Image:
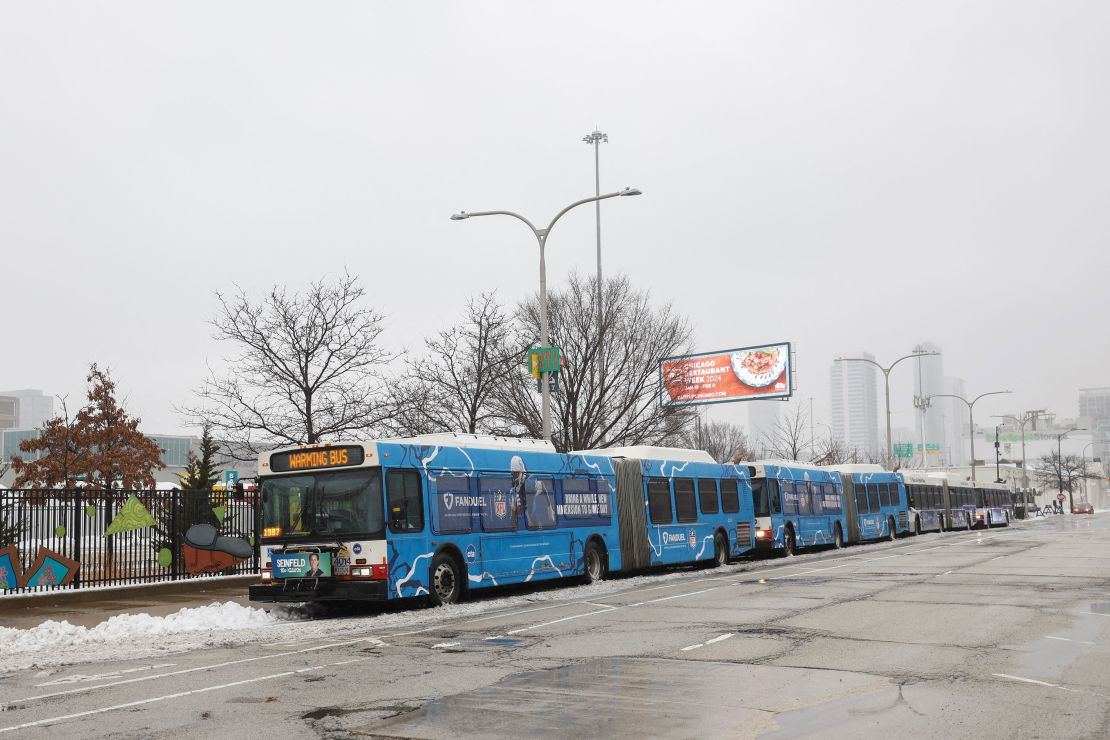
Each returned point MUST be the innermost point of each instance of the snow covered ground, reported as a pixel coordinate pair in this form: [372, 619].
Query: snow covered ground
[129, 636]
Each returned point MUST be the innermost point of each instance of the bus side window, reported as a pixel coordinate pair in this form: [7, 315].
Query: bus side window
[659, 501]
[873, 497]
[406, 503]
[832, 499]
[861, 499]
[789, 497]
[539, 503]
[759, 497]
[884, 494]
[730, 497]
[686, 508]
[707, 495]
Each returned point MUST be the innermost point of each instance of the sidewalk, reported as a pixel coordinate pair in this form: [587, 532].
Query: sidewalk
[92, 608]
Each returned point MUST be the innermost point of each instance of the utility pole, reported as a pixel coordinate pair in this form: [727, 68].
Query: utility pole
[597, 138]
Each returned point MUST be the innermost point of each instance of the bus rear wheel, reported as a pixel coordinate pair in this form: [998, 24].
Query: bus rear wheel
[720, 550]
[446, 583]
[595, 562]
[838, 537]
[892, 534]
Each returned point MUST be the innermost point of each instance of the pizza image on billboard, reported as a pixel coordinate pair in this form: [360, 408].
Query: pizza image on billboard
[741, 374]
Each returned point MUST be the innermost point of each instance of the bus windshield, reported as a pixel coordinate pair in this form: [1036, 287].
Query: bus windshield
[326, 504]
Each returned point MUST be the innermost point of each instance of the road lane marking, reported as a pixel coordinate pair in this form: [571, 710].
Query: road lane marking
[1029, 680]
[562, 619]
[1068, 639]
[445, 644]
[181, 672]
[718, 638]
[82, 678]
[178, 695]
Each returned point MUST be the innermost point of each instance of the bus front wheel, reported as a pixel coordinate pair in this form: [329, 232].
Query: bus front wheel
[789, 544]
[446, 583]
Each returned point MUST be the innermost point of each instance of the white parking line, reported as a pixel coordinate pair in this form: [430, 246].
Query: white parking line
[211, 666]
[180, 694]
[1028, 680]
[445, 644]
[1067, 639]
[719, 638]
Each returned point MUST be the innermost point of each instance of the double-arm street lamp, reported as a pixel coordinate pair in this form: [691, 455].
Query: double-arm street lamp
[971, 417]
[886, 377]
[1028, 416]
[541, 237]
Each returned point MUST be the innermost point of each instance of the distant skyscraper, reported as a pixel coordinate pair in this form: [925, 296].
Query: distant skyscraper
[35, 408]
[762, 417]
[928, 380]
[855, 404]
[1094, 410]
[955, 416]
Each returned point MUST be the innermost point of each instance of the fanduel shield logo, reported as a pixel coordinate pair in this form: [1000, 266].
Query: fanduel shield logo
[500, 508]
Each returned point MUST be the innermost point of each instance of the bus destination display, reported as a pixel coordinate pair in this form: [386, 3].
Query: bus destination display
[314, 459]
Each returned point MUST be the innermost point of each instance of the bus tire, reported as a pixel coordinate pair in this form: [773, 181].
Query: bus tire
[789, 543]
[595, 563]
[893, 532]
[720, 550]
[838, 536]
[444, 580]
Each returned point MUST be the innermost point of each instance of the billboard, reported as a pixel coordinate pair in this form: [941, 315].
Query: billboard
[742, 374]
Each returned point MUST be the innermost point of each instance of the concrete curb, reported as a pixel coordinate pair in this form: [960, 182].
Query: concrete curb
[15, 602]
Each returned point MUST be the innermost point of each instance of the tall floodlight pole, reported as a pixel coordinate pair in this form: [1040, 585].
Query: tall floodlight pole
[971, 417]
[541, 238]
[886, 378]
[597, 138]
[1060, 463]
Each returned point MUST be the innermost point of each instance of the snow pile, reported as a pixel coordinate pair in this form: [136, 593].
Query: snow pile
[130, 628]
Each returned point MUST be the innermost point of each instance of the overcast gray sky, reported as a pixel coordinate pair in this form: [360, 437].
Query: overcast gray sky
[842, 175]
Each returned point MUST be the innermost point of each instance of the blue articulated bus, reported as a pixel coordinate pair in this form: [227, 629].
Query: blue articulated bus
[994, 506]
[875, 502]
[925, 496]
[437, 515]
[796, 506]
[696, 509]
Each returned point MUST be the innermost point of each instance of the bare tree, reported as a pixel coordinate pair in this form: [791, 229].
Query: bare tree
[452, 386]
[831, 451]
[725, 442]
[788, 438]
[307, 368]
[1065, 471]
[616, 403]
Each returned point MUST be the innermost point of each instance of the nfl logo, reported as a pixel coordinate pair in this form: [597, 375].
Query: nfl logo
[693, 539]
[500, 509]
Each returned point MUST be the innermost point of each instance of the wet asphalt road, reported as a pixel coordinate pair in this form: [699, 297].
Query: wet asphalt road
[1002, 633]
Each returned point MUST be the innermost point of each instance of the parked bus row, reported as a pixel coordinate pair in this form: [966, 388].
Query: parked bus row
[438, 515]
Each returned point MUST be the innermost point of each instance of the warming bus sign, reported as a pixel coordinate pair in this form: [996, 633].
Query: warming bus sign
[742, 374]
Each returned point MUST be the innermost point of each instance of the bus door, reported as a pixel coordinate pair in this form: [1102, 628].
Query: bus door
[406, 520]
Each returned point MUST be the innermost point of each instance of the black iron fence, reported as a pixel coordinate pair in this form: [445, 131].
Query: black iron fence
[83, 538]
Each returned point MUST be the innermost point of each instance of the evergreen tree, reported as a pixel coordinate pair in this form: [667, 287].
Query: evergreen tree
[200, 471]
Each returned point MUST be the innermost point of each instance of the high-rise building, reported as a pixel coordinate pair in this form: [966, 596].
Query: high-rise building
[762, 418]
[855, 404]
[955, 422]
[1094, 412]
[35, 408]
[9, 412]
[928, 380]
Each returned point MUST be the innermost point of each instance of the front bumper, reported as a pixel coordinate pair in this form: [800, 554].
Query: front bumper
[318, 589]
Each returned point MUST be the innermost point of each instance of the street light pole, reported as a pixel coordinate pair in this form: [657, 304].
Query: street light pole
[597, 138]
[1060, 464]
[1026, 417]
[886, 377]
[971, 418]
[541, 237]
